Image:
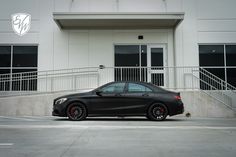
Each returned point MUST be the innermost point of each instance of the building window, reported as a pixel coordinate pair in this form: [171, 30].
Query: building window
[5, 56]
[231, 64]
[211, 55]
[133, 57]
[18, 68]
[126, 55]
[218, 60]
[25, 56]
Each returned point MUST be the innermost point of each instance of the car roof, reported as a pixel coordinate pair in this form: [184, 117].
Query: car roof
[138, 82]
[150, 85]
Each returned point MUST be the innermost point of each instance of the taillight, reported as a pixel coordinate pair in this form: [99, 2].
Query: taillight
[177, 97]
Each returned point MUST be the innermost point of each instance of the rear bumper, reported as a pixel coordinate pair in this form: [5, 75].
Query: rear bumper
[181, 110]
[178, 109]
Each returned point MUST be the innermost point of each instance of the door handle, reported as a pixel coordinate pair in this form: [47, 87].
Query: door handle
[145, 94]
[118, 94]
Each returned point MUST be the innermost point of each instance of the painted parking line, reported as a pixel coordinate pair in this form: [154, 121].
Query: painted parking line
[18, 118]
[114, 127]
[6, 144]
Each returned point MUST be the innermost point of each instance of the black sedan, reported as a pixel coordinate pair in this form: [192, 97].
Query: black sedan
[120, 99]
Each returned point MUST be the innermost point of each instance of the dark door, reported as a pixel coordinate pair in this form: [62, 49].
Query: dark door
[156, 62]
[137, 98]
[110, 101]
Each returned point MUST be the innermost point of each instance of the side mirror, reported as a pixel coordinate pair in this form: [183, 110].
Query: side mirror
[99, 93]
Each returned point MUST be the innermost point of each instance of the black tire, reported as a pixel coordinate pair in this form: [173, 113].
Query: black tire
[76, 111]
[157, 112]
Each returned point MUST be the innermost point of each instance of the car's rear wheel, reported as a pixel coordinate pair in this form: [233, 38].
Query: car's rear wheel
[76, 111]
[157, 112]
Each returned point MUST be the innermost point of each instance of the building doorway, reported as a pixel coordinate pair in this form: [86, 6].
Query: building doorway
[140, 63]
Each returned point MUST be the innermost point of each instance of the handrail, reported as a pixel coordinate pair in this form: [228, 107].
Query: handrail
[227, 84]
[205, 91]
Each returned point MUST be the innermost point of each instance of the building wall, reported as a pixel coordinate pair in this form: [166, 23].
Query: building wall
[216, 21]
[206, 21]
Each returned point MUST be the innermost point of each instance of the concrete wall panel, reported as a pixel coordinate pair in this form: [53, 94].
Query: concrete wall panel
[61, 49]
[216, 25]
[216, 9]
[9, 7]
[12, 38]
[78, 49]
[101, 50]
[174, 6]
[142, 6]
[217, 37]
[46, 36]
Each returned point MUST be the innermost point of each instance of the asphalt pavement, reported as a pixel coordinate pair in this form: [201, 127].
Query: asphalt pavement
[115, 137]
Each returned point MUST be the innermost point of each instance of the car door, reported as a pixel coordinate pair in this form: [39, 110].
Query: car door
[137, 97]
[109, 101]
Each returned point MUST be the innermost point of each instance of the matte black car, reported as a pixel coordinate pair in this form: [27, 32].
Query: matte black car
[120, 99]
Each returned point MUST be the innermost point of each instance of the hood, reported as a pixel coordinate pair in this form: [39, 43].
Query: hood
[74, 95]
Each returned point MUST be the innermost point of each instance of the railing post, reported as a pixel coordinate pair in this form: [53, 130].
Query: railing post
[98, 78]
[140, 75]
[10, 81]
[46, 82]
[121, 73]
[74, 82]
[52, 83]
[226, 85]
[221, 84]
[28, 79]
[20, 81]
[192, 78]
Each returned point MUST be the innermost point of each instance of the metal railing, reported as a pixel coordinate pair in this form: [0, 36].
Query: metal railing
[176, 78]
[215, 80]
[37, 82]
[219, 95]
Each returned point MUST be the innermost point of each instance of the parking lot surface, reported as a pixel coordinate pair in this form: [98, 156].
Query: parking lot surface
[115, 137]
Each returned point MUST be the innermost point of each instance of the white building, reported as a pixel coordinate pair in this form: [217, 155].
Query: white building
[178, 36]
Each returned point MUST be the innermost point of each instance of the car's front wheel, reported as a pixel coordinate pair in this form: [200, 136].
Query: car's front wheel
[76, 111]
[157, 112]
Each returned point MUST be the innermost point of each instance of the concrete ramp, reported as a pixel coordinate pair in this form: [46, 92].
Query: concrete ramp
[30, 105]
[199, 104]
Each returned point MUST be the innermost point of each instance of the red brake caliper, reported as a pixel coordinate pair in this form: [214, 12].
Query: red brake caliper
[72, 111]
[162, 110]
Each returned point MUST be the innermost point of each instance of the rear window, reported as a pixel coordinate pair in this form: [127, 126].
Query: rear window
[134, 87]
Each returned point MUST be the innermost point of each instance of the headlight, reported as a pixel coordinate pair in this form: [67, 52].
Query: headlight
[60, 101]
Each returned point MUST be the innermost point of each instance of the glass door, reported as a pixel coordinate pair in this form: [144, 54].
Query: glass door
[155, 64]
[127, 62]
[140, 63]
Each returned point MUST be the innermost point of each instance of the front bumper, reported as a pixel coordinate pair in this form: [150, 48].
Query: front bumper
[59, 110]
[55, 113]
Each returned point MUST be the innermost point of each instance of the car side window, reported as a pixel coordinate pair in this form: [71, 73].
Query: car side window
[134, 87]
[114, 88]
